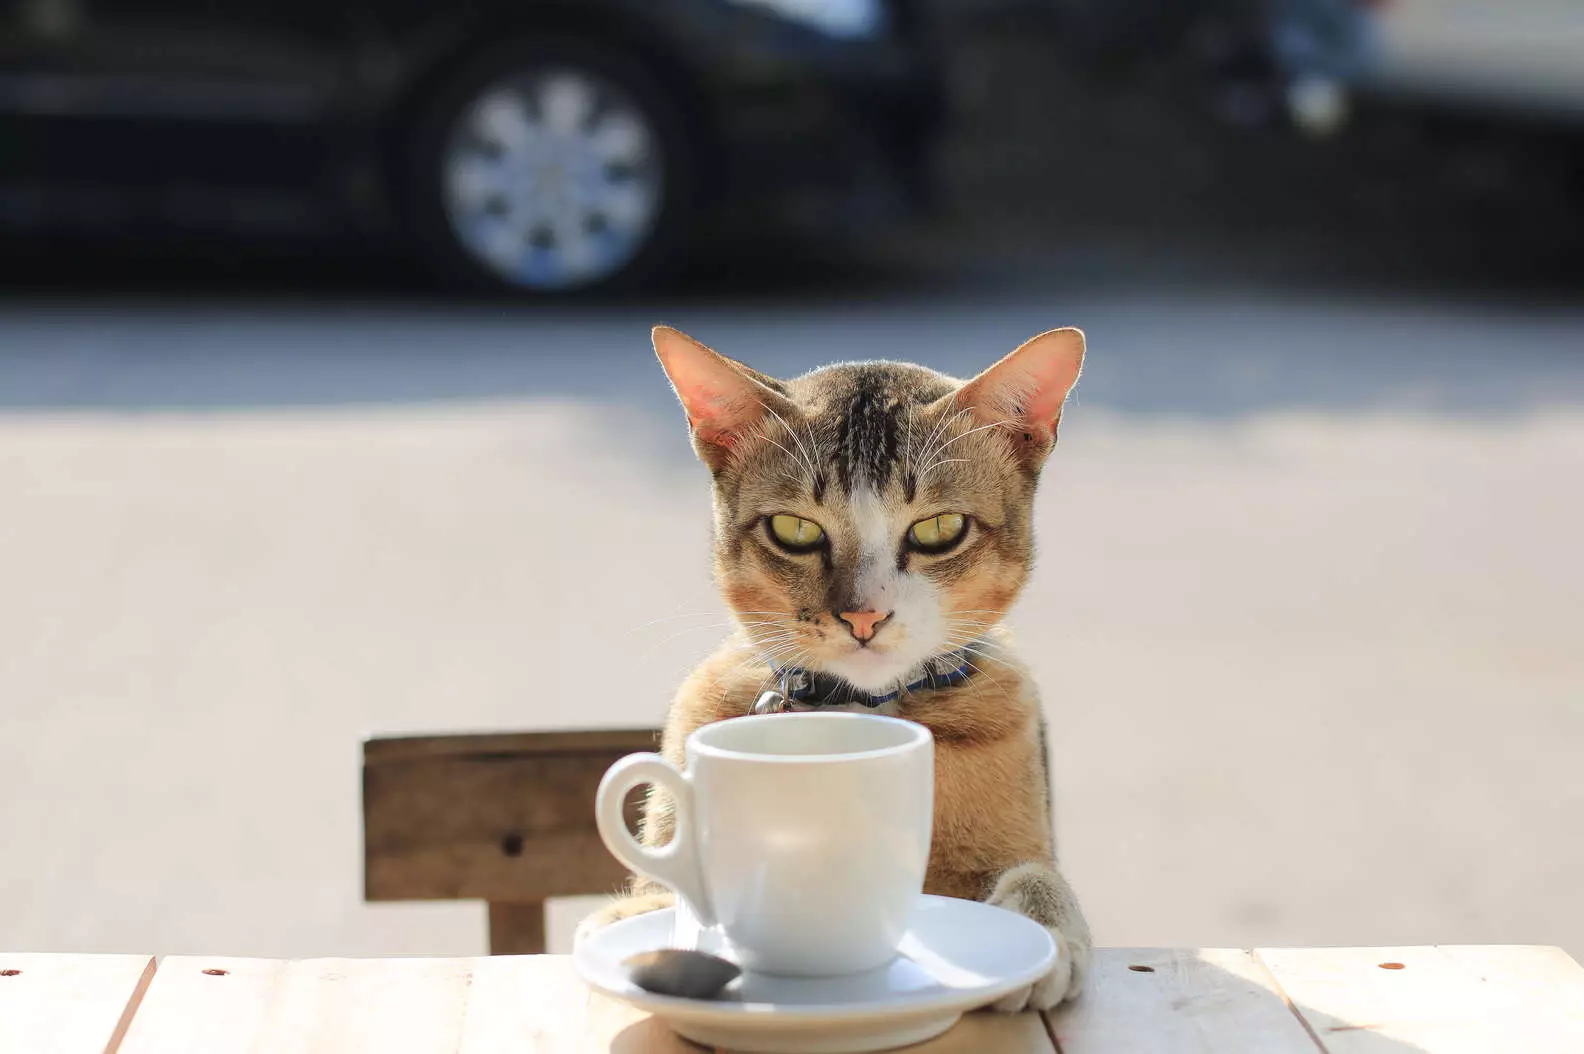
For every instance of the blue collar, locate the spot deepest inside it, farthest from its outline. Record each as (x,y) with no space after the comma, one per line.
(815,688)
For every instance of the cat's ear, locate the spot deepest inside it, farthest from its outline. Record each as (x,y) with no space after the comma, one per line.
(725,402)
(1024,392)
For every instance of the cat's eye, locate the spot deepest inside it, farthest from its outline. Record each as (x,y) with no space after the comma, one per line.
(794,532)
(938,532)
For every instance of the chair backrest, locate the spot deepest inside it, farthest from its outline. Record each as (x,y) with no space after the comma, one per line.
(503,817)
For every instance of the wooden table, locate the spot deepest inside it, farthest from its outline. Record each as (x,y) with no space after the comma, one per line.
(1433,1000)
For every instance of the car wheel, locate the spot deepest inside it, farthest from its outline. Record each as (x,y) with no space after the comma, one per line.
(554,167)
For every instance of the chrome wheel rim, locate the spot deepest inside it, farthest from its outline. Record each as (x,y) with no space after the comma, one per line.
(552,180)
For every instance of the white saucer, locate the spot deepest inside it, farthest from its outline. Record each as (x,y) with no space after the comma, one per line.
(958,955)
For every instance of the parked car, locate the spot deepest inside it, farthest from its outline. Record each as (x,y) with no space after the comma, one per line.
(539,146)
(1523,55)
(1312,57)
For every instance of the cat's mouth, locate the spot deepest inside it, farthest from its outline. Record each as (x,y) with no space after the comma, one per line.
(865,651)
(875,668)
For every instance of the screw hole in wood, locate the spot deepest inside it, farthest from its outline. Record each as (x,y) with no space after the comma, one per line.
(512,845)
(1391,966)
(1136,968)
(9,973)
(217,973)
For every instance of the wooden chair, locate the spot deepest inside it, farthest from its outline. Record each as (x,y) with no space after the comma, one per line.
(506,818)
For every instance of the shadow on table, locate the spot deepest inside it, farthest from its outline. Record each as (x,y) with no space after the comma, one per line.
(1143,1000)
(650,1036)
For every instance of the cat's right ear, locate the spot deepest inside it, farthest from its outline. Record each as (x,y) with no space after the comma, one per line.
(1023,394)
(724,405)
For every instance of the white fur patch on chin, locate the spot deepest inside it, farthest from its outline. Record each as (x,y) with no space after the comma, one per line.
(874,672)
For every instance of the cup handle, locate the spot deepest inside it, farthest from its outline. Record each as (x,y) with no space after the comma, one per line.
(676,864)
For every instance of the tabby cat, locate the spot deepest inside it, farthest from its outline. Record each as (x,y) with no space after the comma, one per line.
(873,524)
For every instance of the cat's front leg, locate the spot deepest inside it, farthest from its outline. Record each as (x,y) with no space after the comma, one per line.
(1039,891)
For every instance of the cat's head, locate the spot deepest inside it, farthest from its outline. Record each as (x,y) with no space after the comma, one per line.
(871,516)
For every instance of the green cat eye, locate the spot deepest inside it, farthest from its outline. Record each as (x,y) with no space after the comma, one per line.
(794,532)
(938,532)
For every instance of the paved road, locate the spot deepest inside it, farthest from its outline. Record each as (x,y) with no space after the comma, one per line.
(1307,614)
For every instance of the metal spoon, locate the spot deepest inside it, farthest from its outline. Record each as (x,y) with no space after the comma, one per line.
(680,972)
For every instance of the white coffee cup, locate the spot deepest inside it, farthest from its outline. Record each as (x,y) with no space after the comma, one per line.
(802,837)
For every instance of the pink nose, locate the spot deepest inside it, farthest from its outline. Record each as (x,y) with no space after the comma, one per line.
(863,623)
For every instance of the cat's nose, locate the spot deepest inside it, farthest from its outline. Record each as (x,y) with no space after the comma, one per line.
(863,623)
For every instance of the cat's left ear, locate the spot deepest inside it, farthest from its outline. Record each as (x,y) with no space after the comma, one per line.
(1024,392)
(725,401)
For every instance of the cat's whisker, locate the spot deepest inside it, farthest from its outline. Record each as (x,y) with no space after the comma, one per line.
(814,443)
(770,640)
(929,440)
(703,626)
(970,431)
(693,629)
(751,625)
(808,461)
(965,636)
(771,633)
(973,647)
(763,435)
(785,475)
(796,658)
(946,426)
(933,465)
(1004,693)
(990,658)
(907,449)
(672,618)
(775,642)
(934,457)
(756,657)
(650,652)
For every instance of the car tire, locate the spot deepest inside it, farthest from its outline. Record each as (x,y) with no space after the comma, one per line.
(551,167)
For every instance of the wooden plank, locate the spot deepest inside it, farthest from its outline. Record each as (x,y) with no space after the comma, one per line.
(1435,1000)
(1147,1000)
(535,1004)
(985,1032)
(204,1005)
(498,817)
(1545,976)
(516,929)
(530,1004)
(69,1004)
(407,748)
(211,1004)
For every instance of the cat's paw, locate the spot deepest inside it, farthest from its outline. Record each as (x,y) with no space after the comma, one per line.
(623,908)
(1040,893)
(1062,983)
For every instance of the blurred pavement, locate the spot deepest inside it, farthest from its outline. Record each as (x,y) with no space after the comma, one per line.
(1306,617)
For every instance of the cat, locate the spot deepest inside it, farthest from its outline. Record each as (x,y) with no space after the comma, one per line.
(873,524)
